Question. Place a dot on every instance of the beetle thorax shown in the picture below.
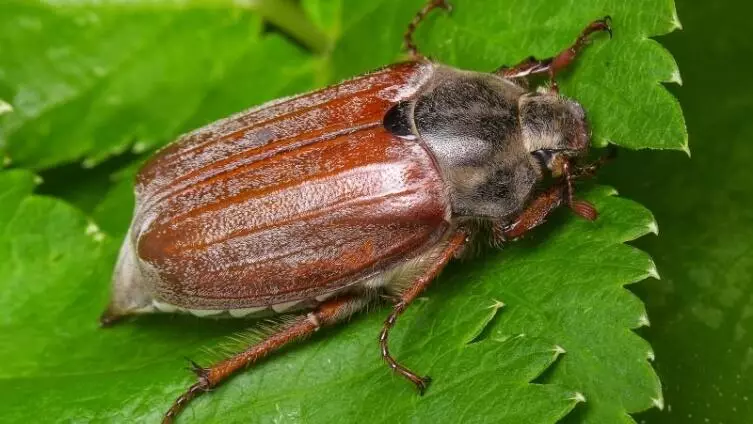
(471, 124)
(491, 138)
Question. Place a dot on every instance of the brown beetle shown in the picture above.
(325, 200)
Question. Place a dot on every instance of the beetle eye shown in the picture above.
(552, 160)
(544, 157)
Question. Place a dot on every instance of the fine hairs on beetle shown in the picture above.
(323, 202)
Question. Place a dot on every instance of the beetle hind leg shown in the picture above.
(410, 45)
(327, 313)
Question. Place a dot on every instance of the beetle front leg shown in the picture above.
(328, 313)
(561, 192)
(454, 245)
(543, 205)
(410, 46)
(533, 216)
(553, 65)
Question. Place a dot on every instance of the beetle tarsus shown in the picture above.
(553, 65)
(180, 403)
(421, 383)
(327, 313)
(454, 244)
(410, 45)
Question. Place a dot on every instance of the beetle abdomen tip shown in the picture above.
(129, 293)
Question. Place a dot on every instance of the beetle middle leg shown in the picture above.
(327, 313)
(553, 65)
(454, 245)
(410, 46)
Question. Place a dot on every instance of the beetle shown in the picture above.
(323, 201)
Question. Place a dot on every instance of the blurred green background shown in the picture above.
(702, 309)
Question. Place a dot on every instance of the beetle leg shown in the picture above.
(589, 170)
(562, 192)
(529, 66)
(327, 313)
(410, 46)
(581, 208)
(553, 65)
(456, 242)
(535, 214)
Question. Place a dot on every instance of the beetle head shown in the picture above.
(555, 129)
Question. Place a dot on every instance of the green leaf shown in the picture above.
(91, 81)
(563, 335)
(702, 309)
(617, 81)
(143, 357)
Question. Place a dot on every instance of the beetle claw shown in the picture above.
(197, 369)
(423, 384)
(608, 24)
(445, 4)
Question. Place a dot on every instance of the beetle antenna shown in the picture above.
(568, 182)
(581, 208)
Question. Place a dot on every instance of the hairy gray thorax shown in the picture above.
(470, 123)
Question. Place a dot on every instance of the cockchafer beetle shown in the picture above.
(324, 200)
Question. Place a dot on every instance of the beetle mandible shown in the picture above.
(322, 201)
